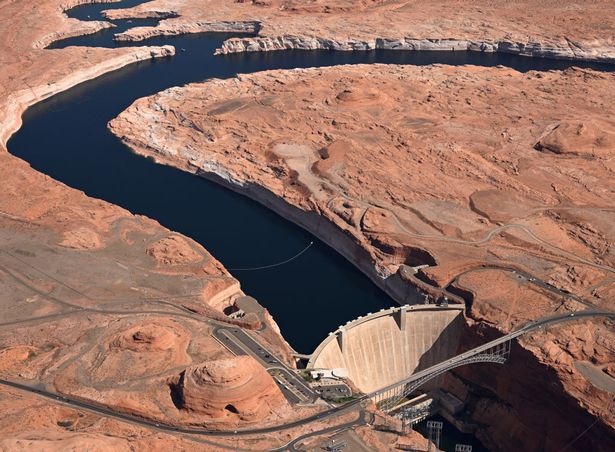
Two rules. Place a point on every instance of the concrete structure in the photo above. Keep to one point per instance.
(496, 351)
(382, 348)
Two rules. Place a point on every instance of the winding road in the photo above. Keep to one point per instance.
(355, 405)
(331, 412)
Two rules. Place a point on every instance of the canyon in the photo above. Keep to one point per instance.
(483, 186)
(98, 304)
(470, 175)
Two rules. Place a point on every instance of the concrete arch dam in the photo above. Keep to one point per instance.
(385, 347)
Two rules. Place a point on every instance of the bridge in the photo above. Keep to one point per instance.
(444, 366)
(496, 351)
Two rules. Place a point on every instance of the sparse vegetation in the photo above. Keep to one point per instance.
(307, 376)
(344, 399)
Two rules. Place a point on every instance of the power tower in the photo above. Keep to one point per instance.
(434, 431)
(463, 448)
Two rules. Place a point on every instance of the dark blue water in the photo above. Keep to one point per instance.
(66, 137)
(103, 38)
(92, 11)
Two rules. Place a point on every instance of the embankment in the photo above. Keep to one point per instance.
(597, 52)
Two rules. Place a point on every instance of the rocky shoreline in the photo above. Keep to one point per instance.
(574, 52)
(555, 32)
(475, 385)
(346, 244)
(102, 249)
(18, 102)
(597, 52)
(142, 33)
(299, 142)
(84, 28)
(401, 287)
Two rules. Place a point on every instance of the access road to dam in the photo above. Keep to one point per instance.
(347, 407)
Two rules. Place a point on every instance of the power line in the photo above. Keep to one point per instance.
(274, 265)
(580, 435)
(587, 429)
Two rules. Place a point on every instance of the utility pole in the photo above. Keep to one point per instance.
(434, 429)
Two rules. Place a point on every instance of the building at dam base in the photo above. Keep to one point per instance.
(385, 347)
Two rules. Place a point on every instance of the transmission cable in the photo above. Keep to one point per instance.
(274, 265)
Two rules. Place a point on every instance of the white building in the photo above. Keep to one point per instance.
(334, 374)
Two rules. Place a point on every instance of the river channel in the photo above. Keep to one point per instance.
(67, 138)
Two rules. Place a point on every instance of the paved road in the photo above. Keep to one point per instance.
(241, 343)
(102, 410)
(530, 279)
(350, 406)
(286, 387)
(352, 440)
(597, 376)
(364, 418)
(333, 391)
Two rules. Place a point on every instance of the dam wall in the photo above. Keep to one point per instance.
(382, 348)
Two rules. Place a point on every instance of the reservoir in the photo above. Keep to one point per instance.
(66, 137)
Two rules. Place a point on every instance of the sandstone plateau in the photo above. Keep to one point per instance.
(581, 30)
(487, 179)
(473, 172)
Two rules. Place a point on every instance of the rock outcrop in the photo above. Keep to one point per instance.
(173, 250)
(559, 51)
(233, 388)
(19, 99)
(576, 137)
(76, 276)
(142, 33)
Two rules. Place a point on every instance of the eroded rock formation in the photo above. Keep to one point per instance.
(84, 283)
(236, 387)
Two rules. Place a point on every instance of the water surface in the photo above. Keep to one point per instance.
(66, 137)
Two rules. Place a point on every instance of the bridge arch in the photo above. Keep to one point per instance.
(388, 398)
(495, 351)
